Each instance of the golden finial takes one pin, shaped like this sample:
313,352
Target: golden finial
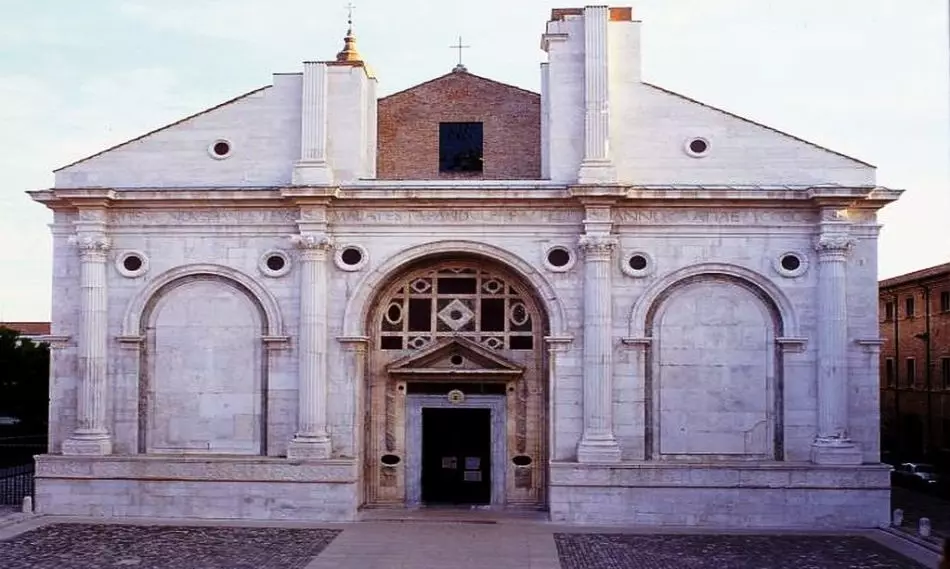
349,52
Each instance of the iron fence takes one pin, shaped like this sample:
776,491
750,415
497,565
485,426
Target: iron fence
16,482
16,466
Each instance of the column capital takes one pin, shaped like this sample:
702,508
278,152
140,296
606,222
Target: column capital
834,245
313,241
597,245
91,244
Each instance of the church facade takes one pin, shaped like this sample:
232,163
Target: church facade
606,301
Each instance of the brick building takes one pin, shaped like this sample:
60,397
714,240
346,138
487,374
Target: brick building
915,365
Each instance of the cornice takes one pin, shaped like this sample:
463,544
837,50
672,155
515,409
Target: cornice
490,191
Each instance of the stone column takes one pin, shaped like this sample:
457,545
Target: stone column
832,444
312,439
596,167
597,442
91,436
313,169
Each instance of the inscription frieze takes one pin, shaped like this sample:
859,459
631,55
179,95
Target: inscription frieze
455,216
721,216
203,216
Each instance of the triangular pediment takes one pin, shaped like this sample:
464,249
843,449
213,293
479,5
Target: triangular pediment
455,358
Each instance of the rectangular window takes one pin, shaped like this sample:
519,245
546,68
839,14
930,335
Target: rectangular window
460,147
909,307
889,372
911,378
945,372
888,311
945,301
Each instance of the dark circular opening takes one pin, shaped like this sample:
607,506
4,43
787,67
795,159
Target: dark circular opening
221,148
638,262
456,360
401,388
559,257
394,313
132,263
275,262
351,256
390,459
455,315
791,262
698,146
521,460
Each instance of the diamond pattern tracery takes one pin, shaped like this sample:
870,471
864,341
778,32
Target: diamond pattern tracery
456,315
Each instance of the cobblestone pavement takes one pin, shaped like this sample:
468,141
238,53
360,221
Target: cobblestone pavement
919,504
75,546
617,551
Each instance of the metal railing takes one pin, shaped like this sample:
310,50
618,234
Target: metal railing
16,483
17,468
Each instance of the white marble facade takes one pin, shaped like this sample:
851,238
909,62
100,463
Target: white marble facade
709,346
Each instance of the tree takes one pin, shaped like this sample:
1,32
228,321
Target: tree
24,381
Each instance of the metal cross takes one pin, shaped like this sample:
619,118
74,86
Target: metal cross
349,13
460,47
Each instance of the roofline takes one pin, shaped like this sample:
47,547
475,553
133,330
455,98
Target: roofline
161,128
919,275
433,80
765,126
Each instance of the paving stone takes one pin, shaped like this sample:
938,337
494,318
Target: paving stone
617,551
75,546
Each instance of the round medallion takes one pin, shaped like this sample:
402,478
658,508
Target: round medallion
456,396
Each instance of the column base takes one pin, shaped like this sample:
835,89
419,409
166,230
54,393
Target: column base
597,172
88,445
318,448
598,451
836,453
312,173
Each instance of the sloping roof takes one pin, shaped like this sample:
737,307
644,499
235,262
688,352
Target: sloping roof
167,126
765,126
922,274
28,328
458,74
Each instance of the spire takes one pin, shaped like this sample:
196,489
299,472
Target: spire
349,53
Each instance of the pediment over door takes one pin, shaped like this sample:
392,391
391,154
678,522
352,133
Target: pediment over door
455,359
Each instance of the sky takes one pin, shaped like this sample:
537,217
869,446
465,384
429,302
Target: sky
868,78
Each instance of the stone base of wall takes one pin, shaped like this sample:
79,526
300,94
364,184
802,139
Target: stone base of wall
744,495
250,488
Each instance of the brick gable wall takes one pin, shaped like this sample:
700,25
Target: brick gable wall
408,142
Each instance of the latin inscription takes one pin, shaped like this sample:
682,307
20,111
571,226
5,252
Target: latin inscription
204,217
454,216
711,217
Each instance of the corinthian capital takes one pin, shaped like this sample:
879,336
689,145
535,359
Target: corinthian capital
91,243
834,243
598,245
313,241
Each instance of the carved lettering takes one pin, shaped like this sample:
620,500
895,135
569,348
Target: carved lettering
734,216
203,216
455,216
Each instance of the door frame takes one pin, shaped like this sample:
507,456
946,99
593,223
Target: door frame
496,404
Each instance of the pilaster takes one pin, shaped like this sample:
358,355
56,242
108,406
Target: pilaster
313,168
832,444
597,166
91,437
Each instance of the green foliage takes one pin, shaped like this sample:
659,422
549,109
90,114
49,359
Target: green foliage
24,381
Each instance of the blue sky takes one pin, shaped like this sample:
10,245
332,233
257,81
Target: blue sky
868,78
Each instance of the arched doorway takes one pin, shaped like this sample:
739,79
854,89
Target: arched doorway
456,391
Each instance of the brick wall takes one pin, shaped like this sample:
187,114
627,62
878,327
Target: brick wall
408,147
907,407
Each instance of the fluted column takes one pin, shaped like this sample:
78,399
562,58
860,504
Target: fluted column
313,169
596,167
832,444
312,439
91,436
597,442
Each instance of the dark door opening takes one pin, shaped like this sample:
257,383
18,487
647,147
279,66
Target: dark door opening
456,456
